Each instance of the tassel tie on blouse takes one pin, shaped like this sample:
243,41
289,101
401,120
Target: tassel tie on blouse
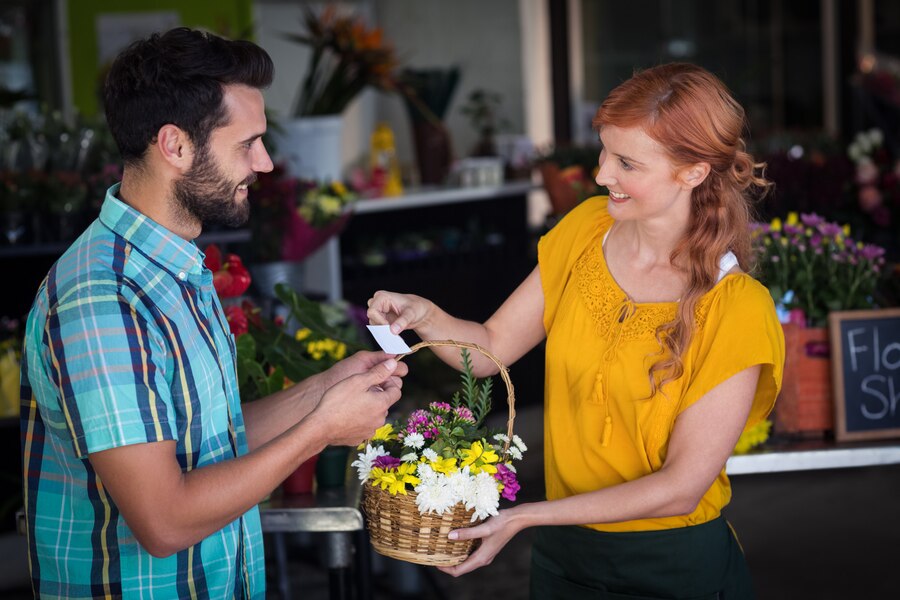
624,311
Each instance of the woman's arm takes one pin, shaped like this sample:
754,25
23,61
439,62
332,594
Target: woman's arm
514,329
703,438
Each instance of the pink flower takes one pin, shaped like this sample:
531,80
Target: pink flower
869,198
866,173
507,477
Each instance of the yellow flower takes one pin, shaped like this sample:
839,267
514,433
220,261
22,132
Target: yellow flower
395,480
444,465
338,188
478,459
792,218
330,205
302,334
775,225
754,436
384,433
846,229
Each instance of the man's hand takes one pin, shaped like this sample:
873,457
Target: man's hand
360,363
351,410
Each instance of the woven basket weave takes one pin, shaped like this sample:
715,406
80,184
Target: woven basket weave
396,527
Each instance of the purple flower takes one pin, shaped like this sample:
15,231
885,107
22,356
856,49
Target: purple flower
871,251
831,229
440,407
811,220
507,477
386,462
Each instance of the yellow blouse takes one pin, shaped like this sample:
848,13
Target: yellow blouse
600,427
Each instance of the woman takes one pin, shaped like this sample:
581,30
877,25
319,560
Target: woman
660,350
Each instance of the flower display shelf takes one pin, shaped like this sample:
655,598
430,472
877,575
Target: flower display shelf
396,527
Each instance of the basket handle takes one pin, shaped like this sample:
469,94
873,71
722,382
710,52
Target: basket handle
504,375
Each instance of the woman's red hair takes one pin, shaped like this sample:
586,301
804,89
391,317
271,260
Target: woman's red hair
693,116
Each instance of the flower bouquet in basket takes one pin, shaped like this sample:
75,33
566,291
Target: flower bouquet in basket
439,469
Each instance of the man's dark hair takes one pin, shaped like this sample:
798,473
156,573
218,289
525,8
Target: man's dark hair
177,77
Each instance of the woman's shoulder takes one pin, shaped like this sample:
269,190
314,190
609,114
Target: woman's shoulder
738,292
589,217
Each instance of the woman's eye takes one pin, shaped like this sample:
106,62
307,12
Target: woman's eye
625,164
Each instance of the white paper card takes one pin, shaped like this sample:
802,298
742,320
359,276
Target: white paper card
389,342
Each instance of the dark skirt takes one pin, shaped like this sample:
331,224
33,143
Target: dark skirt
700,562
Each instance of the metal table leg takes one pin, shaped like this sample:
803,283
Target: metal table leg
338,559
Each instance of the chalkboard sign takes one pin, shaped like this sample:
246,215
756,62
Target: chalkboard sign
865,363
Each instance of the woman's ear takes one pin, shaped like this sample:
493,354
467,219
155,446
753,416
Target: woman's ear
694,175
174,146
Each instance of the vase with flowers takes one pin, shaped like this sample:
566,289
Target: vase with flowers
812,267
346,57
290,219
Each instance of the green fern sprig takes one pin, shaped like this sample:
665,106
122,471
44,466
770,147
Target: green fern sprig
477,398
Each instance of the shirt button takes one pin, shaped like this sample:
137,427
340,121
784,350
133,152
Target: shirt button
182,275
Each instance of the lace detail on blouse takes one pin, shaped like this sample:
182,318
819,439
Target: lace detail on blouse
610,306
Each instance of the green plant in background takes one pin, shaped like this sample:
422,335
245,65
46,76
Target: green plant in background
313,336
482,107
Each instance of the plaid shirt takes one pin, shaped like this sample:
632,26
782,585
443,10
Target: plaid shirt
127,343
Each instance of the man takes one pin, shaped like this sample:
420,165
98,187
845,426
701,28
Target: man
142,469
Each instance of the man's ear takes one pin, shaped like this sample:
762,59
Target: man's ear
175,147
694,175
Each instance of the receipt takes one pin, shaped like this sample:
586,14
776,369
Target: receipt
389,342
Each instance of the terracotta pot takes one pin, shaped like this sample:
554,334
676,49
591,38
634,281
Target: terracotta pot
562,195
301,480
805,407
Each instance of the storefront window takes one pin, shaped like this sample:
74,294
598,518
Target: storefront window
767,51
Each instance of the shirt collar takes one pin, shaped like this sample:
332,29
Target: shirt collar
181,257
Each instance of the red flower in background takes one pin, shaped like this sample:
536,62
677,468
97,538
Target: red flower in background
237,320
230,278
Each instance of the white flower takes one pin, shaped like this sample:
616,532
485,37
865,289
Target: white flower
484,496
430,454
435,495
411,457
511,467
366,458
426,473
501,437
414,440
461,482
854,152
519,443
515,453
876,137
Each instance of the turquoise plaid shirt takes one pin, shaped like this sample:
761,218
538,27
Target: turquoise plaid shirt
127,343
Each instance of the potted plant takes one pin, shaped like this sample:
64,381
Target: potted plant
568,174
274,354
812,267
346,57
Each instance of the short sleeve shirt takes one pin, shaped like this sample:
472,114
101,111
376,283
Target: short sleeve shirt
126,343
602,427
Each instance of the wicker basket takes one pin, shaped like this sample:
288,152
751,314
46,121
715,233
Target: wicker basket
396,527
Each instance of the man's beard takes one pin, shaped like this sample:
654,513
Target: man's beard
205,194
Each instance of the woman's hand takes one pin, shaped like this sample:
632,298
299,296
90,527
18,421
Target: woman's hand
400,311
494,533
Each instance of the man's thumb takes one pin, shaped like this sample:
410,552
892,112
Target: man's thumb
382,371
